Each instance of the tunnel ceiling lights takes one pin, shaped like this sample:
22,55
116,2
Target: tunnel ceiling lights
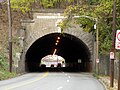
54,51
57,41
58,38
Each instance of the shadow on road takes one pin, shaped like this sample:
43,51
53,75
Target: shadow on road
55,69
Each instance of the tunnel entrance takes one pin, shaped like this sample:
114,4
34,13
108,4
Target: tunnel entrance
76,54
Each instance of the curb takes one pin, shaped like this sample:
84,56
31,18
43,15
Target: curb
103,84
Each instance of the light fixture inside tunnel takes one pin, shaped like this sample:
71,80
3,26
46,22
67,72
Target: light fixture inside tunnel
58,38
57,41
53,60
54,51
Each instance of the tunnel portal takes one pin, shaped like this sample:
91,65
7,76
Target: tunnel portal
76,54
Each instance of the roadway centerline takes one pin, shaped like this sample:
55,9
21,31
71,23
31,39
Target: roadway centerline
68,76
26,83
68,81
59,88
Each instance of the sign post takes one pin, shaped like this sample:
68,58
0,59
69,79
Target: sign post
10,35
113,44
117,43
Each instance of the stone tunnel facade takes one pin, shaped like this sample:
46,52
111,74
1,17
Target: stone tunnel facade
46,23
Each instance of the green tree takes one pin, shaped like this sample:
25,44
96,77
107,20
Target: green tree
103,11
23,5
26,5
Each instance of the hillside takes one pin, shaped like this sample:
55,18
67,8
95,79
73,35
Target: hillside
17,16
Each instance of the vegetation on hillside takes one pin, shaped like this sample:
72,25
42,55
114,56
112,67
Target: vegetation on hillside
97,12
4,74
4,47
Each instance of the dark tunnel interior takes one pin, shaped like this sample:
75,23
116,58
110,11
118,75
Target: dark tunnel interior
69,47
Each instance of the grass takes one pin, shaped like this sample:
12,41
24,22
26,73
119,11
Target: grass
4,74
96,75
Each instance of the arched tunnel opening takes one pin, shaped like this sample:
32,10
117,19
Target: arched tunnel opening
75,52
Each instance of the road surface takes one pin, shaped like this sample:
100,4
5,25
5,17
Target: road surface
52,81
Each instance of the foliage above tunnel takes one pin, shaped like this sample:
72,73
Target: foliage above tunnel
96,12
28,5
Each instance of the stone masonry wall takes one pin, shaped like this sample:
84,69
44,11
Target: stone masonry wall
45,23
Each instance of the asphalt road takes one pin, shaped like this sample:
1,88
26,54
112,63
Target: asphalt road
52,81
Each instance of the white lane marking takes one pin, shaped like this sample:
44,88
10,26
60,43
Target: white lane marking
68,80
59,88
68,76
65,74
